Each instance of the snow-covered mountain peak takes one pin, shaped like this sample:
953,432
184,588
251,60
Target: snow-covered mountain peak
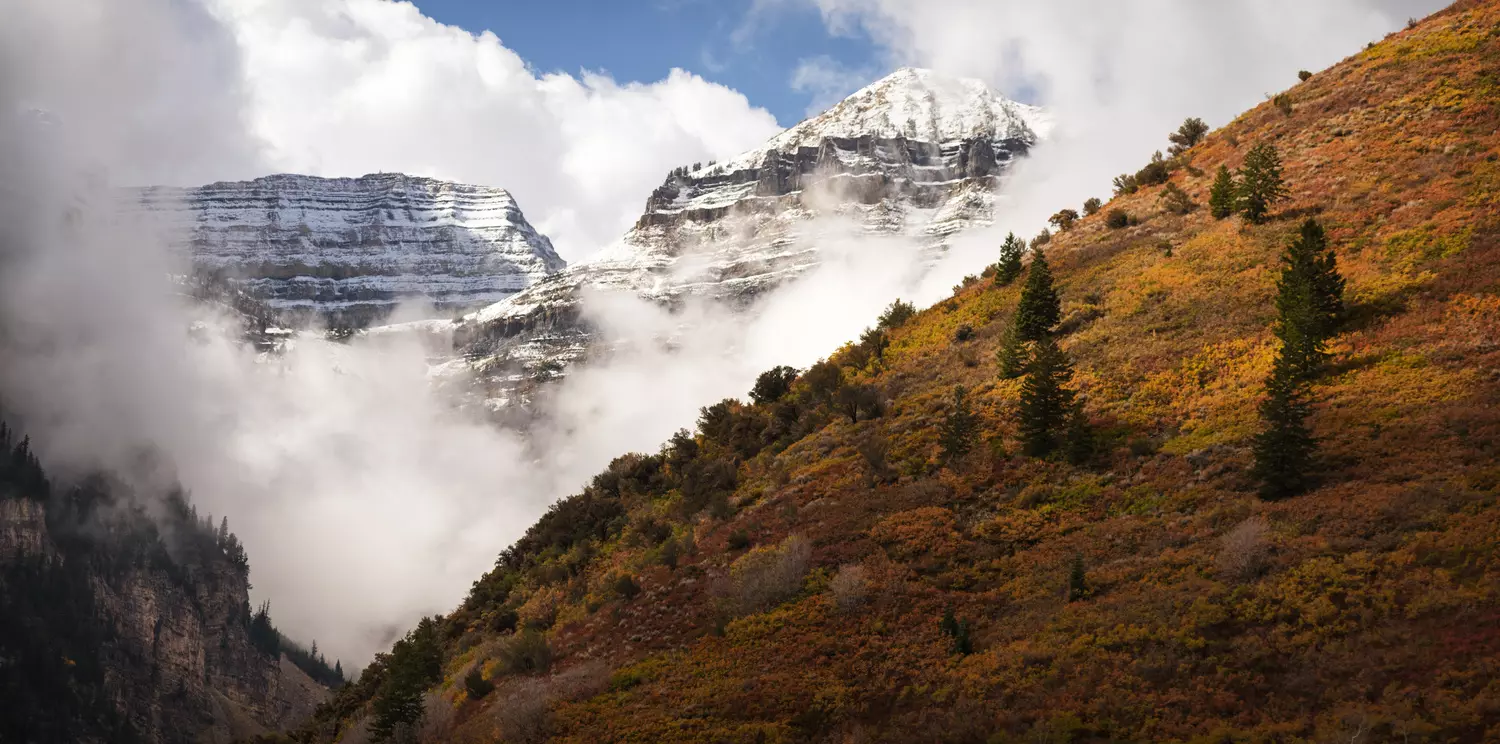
911,103
352,249
916,155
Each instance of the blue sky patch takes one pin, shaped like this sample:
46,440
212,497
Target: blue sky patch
642,40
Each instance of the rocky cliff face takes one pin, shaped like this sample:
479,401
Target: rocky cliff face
147,646
352,248
23,530
915,154
182,662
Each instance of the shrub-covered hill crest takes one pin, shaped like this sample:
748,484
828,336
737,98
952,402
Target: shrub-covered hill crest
863,555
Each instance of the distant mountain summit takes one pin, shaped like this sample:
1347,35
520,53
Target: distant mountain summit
352,248
915,104
916,154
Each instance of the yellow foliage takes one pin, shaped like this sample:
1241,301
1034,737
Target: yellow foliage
928,531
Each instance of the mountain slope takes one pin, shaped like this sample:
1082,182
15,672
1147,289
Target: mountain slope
123,625
354,247
914,154
706,593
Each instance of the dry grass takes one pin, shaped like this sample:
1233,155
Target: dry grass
1244,550
849,587
768,576
524,715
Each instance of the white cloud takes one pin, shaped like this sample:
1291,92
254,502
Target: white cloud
149,88
346,87
828,81
363,498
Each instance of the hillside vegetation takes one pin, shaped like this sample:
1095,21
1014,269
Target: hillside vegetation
864,554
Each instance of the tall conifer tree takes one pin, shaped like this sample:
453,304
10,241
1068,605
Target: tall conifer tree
1010,260
1260,183
1309,305
1039,309
1078,585
1285,448
959,428
1221,195
1309,300
1046,401
1011,358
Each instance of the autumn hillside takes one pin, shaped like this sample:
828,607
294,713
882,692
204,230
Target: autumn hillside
819,567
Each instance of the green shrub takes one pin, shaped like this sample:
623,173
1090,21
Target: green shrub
1155,173
1117,219
476,686
624,679
626,587
1190,133
1173,199
526,652
897,314
739,540
1283,103
1064,219
773,384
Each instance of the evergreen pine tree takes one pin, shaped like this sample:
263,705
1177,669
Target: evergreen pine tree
1011,357
1046,401
263,635
1078,587
1284,449
949,623
1010,260
1321,264
957,431
1221,196
1260,182
1039,309
958,630
962,643
1309,300
415,663
1309,305
1080,437
1299,327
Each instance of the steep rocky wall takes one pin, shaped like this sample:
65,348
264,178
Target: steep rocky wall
23,529
184,669
877,169
355,246
177,661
